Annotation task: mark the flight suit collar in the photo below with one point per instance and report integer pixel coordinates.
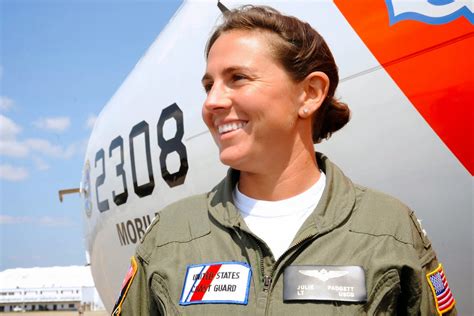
(329, 213)
(336, 203)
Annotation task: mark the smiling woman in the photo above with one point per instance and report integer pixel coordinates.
(286, 231)
(252, 105)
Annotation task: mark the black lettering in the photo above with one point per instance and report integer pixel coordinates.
(202, 288)
(122, 233)
(139, 227)
(147, 188)
(101, 205)
(225, 288)
(147, 224)
(131, 227)
(132, 230)
(120, 172)
(174, 144)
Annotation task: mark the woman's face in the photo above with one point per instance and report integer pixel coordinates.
(252, 105)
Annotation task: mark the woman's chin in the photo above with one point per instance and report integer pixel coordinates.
(231, 158)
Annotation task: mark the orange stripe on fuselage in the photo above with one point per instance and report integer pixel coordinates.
(432, 65)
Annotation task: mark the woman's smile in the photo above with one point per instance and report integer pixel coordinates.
(230, 127)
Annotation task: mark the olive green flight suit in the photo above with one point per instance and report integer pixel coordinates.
(351, 226)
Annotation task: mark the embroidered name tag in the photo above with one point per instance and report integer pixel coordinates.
(324, 283)
(221, 282)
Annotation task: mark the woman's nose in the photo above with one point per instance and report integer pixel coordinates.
(217, 98)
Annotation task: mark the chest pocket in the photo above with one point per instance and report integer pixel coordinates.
(384, 295)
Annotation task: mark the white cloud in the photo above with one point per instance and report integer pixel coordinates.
(6, 103)
(13, 148)
(43, 221)
(45, 147)
(11, 173)
(7, 219)
(8, 128)
(91, 121)
(40, 164)
(54, 221)
(9, 146)
(56, 124)
(21, 149)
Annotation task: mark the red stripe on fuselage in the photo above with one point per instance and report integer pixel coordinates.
(431, 64)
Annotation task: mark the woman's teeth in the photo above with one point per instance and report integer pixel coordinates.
(230, 127)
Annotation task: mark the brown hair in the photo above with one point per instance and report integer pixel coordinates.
(301, 51)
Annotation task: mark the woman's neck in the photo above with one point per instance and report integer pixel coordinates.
(279, 183)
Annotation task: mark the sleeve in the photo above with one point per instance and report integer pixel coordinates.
(436, 297)
(135, 296)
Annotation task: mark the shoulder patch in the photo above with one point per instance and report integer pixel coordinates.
(443, 297)
(421, 231)
(127, 282)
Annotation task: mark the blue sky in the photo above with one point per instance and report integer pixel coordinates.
(60, 62)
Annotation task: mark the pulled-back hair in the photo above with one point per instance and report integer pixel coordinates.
(301, 51)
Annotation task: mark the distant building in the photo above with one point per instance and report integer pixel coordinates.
(54, 288)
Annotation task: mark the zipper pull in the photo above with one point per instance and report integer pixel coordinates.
(267, 281)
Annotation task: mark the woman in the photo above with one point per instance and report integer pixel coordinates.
(285, 231)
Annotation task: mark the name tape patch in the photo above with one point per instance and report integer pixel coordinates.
(324, 283)
(220, 282)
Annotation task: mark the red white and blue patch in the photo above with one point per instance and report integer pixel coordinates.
(216, 283)
(443, 297)
(127, 282)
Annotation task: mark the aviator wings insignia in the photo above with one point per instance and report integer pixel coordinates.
(323, 274)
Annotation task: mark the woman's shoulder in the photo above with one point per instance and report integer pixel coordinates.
(382, 201)
(380, 214)
(181, 221)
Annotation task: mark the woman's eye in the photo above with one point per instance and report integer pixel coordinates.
(237, 77)
(207, 87)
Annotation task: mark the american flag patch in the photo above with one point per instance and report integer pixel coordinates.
(442, 294)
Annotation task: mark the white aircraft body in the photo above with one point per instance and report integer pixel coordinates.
(406, 75)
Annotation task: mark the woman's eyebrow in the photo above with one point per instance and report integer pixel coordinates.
(226, 71)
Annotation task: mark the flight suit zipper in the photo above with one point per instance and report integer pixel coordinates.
(267, 280)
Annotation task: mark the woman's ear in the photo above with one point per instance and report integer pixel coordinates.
(316, 86)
